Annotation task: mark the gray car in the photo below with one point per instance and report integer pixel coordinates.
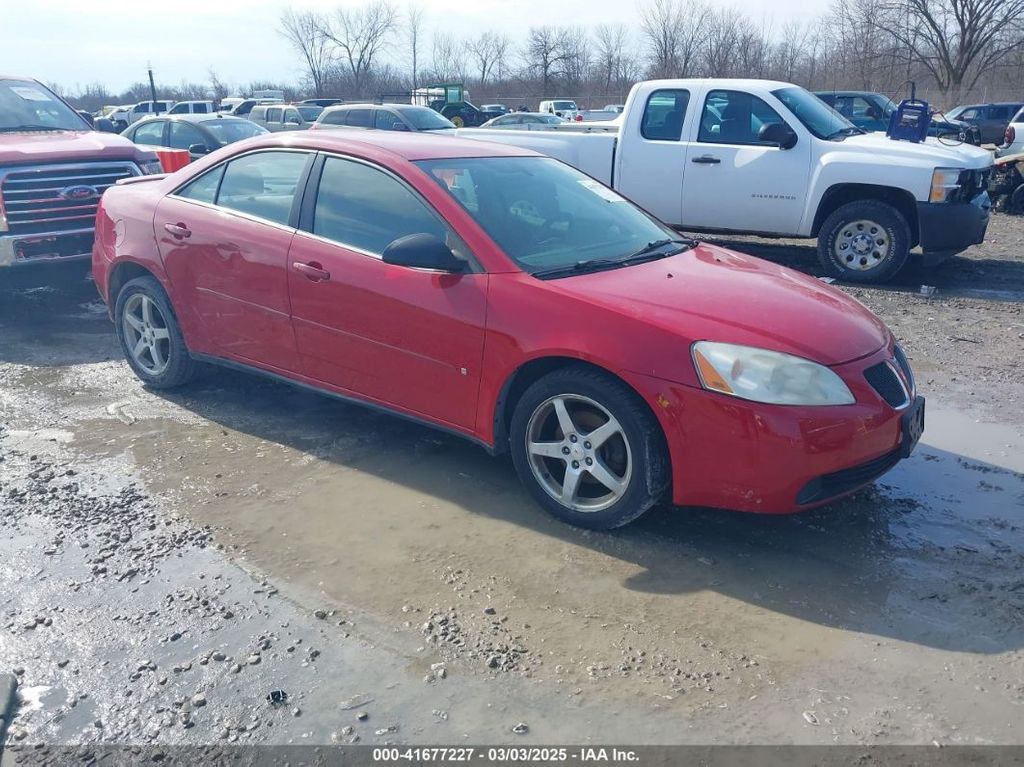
(199, 134)
(285, 117)
(395, 117)
(524, 121)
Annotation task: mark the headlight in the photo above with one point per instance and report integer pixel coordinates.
(766, 376)
(151, 167)
(944, 182)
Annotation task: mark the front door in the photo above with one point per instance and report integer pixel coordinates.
(409, 338)
(653, 177)
(735, 180)
(224, 241)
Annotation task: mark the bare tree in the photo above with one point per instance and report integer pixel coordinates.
(360, 35)
(609, 51)
(675, 32)
(414, 30)
(306, 32)
(576, 62)
(545, 54)
(217, 87)
(486, 51)
(447, 57)
(956, 41)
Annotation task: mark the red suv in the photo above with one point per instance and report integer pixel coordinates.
(510, 299)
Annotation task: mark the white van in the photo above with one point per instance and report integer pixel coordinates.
(562, 107)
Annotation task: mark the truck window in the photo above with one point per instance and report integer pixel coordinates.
(663, 115)
(733, 117)
(202, 108)
(179, 109)
(274, 115)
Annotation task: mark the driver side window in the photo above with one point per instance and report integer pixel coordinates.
(732, 117)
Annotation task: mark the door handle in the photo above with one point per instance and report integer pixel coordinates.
(706, 159)
(178, 230)
(312, 271)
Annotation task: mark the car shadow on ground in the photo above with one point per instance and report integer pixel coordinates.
(912, 557)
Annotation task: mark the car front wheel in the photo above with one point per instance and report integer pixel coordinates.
(865, 241)
(150, 336)
(588, 449)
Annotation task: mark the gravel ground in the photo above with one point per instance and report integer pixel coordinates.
(167, 561)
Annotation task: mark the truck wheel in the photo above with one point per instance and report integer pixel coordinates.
(864, 241)
(150, 336)
(587, 449)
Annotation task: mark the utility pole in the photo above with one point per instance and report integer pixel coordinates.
(152, 87)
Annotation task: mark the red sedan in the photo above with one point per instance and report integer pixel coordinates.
(508, 298)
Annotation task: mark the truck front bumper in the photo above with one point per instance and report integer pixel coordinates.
(19, 249)
(947, 228)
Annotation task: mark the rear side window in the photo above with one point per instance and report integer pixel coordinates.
(999, 113)
(262, 184)
(258, 113)
(663, 115)
(202, 109)
(360, 118)
(385, 120)
(733, 117)
(274, 115)
(151, 133)
(365, 208)
(179, 109)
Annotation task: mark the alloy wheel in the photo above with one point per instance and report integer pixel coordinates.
(147, 337)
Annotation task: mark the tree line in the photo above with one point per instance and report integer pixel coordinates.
(954, 50)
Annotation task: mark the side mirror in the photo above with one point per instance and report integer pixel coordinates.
(105, 125)
(423, 251)
(779, 134)
(293, 121)
(198, 149)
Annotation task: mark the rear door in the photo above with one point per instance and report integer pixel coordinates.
(274, 123)
(409, 338)
(652, 174)
(734, 179)
(224, 241)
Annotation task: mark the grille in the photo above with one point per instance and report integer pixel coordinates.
(883, 379)
(839, 482)
(33, 202)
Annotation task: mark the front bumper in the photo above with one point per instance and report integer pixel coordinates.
(946, 228)
(19, 249)
(734, 454)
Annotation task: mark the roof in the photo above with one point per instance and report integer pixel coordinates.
(368, 105)
(193, 117)
(407, 145)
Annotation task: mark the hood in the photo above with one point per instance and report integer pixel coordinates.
(714, 294)
(35, 147)
(929, 152)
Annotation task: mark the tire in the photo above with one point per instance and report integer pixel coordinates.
(165, 362)
(631, 454)
(865, 241)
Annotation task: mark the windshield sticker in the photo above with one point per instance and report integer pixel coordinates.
(601, 190)
(30, 94)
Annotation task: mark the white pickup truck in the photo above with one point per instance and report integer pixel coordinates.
(769, 158)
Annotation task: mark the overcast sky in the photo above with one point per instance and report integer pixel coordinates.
(76, 42)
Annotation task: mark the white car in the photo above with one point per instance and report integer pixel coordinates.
(562, 107)
(1013, 141)
(193, 108)
(766, 157)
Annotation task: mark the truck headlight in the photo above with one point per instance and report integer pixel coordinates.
(944, 182)
(761, 375)
(151, 167)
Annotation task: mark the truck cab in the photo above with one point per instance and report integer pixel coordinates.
(53, 169)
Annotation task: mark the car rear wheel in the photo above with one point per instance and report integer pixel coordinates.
(150, 336)
(865, 241)
(588, 449)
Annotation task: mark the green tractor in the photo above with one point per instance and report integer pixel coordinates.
(452, 101)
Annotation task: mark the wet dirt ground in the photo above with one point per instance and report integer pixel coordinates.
(167, 560)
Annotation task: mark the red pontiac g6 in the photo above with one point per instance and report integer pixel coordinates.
(508, 298)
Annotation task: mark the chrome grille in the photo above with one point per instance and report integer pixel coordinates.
(32, 197)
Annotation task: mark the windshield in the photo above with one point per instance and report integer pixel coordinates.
(27, 105)
(310, 113)
(817, 116)
(565, 105)
(545, 214)
(227, 130)
(424, 118)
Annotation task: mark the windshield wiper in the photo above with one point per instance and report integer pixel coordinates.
(19, 128)
(852, 130)
(652, 251)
